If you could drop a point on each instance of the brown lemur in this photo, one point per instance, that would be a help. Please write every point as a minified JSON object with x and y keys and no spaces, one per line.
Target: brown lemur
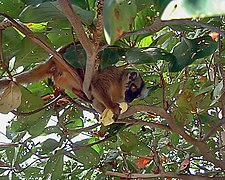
{"x":113,"y":85}
{"x":109,"y":86}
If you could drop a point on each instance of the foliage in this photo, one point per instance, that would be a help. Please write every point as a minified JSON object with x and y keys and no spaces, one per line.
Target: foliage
{"x":179,"y":127}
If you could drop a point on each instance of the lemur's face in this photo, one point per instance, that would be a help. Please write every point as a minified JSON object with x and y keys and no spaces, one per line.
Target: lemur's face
{"x":135,"y":86}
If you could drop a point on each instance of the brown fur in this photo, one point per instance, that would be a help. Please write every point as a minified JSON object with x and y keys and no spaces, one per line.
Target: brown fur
{"x":108,"y":88}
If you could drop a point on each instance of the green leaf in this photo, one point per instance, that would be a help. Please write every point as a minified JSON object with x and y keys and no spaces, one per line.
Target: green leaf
{"x":50,"y":11}
{"x":52,"y":129}
{"x":38,"y":127}
{"x":11,"y":7}
{"x":143,"y":4}
{"x":117,"y":17}
{"x":29,"y":52}
{"x":111,"y":55}
{"x":50,"y":145}
{"x":142,"y":20}
{"x":32,"y":172}
{"x":40,"y":88}
{"x":29,"y":101}
{"x":60,"y":36}
{"x":54,"y":167}
{"x":190,"y":50}
{"x":76,"y":56}
{"x":141,"y":149}
{"x":22,"y":155}
{"x":128,"y":138}
{"x":88,"y":157}
{"x":174,"y":138}
{"x":34,"y":123}
{"x":72,"y":119}
{"x":11,"y":42}
{"x":10,"y":153}
{"x":148,"y":55}
{"x":178,"y":9}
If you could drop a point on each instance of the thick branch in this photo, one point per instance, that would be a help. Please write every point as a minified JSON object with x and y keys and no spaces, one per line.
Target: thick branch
{"x":204,"y":149}
{"x":158,"y":24}
{"x":90,"y":48}
{"x":152,"y":175}
{"x":77,"y":25}
{"x":28,"y":33}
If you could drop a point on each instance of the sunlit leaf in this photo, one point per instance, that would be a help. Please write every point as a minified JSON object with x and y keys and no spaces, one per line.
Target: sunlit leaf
{"x":178,"y":9}
{"x":117,"y":16}
{"x":190,"y":50}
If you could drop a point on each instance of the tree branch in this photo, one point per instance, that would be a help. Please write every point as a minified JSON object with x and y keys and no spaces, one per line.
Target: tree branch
{"x":202,"y":146}
{"x":77,"y":25}
{"x":214,"y":129}
{"x":158,"y":24}
{"x":28,"y":33}
{"x":89,"y":47}
{"x":82,"y":129}
{"x":160,"y":175}
{"x":36,"y":110}
{"x":144,"y":123}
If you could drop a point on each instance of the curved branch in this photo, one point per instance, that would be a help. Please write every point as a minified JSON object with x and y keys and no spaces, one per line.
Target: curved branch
{"x":82,"y":129}
{"x":37,"y":110}
{"x":28,"y":33}
{"x":89,"y":47}
{"x":159,"y":175}
{"x":77,"y":25}
{"x":213,"y":129}
{"x":144,"y":123}
{"x":158,"y":24}
{"x":202,"y":146}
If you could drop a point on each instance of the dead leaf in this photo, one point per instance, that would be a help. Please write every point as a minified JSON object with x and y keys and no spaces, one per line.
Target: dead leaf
{"x":184,"y":164}
{"x":142,"y":162}
{"x":10,"y":98}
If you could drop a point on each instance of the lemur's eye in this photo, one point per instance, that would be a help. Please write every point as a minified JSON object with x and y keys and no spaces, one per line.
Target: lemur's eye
{"x":133,"y":88}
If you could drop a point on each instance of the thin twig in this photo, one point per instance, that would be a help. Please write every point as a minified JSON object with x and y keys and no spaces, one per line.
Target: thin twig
{"x":144,"y":123}
{"x":80,"y":106}
{"x":182,"y":90}
{"x":17,"y":113}
{"x":82,"y":129}
{"x":213,"y":129}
